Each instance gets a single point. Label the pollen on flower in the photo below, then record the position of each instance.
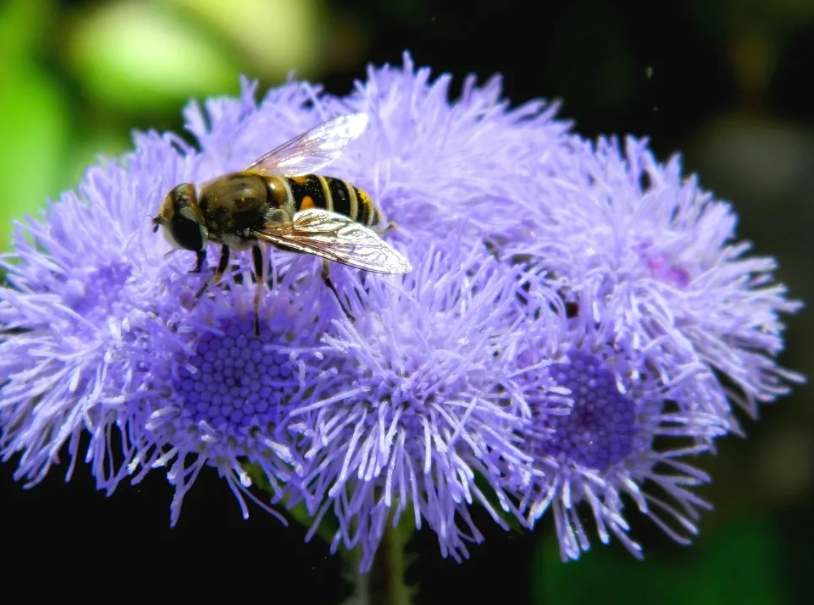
(598, 431)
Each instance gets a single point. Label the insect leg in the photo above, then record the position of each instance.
(222, 264)
(260, 277)
(199, 261)
(326, 277)
(382, 229)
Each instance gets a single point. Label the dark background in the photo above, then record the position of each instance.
(726, 82)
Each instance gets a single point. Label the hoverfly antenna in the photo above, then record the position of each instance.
(156, 223)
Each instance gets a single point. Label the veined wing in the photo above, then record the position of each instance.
(337, 238)
(314, 149)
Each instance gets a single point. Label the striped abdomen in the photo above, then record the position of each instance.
(316, 191)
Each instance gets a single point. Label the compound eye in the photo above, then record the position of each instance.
(182, 227)
(186, 232)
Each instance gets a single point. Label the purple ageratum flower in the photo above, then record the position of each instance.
(606, 425)
(110, 340)
(103, 336)
(434, 406)
(449, 372)
(660, 253)
(102, 331)
(225, 396)
(74, 281)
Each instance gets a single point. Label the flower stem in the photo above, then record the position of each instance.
(385, 583)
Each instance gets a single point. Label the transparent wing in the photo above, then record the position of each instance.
(313, 149)
(337, 238)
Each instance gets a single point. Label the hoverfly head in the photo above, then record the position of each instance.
(181, 218)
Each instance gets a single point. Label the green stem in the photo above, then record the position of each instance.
(385, 583)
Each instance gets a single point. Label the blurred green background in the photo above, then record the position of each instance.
(727, 82)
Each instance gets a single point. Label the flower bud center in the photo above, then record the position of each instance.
(237, 384)
(600, 428)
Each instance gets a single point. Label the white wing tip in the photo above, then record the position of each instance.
(357, 123)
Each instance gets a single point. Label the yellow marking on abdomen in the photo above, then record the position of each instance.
(372, 211)
(326, 191)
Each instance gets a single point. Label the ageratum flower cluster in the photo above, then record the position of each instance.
(578, 325)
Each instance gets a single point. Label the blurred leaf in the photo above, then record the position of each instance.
(611, 573)
(736, 565)
(34, 123)
(23, 24)
(95, 143)
(739, 565)
(139, 56)
(276, 36)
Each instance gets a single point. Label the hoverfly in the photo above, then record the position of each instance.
(277, 200)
